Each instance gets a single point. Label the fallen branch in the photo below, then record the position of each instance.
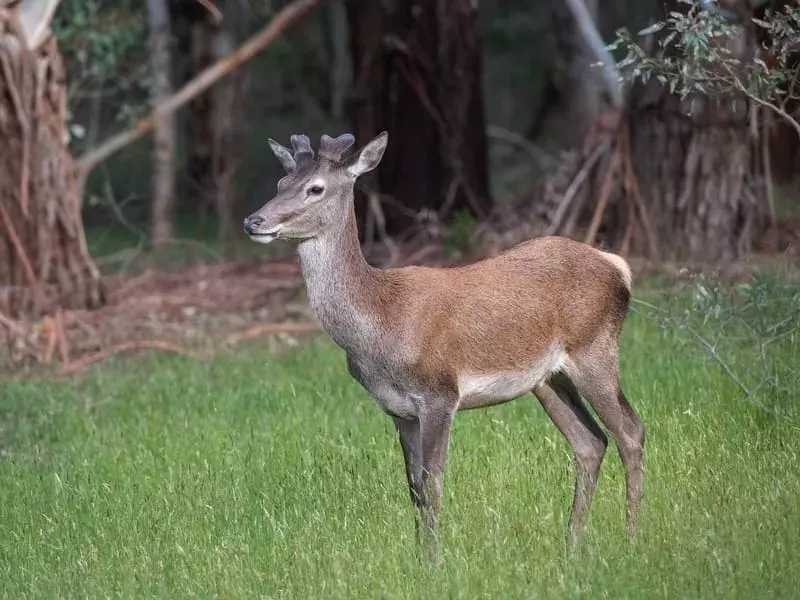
(12, 326)
(270, 329)
(51, 334)
(512, 138)
(605, 194)
(82, 363)
(573, 188)
(632, 183)
(61, 335)
(18, 247)
(287, 17)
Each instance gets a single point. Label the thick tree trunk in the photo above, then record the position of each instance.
(163, 203)
(700, 170)
(418, 74)
(44, 262)
(697, 182)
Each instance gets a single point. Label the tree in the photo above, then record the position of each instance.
(685, 173)
(163, 203)
(571, 97)
(214, 139)
(418, 74)
(698, 139)
(44, 262)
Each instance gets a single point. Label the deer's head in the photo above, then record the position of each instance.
(315, 194)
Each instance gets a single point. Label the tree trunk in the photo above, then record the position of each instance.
(213, 137)
(699, 168)
(227, 99)
(418, 74)
(572, 93)
(366, 22)
(163, 204)
(339, 57)
(44, 262)
(196, 46)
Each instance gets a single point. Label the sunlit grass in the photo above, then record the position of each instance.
(277, 477)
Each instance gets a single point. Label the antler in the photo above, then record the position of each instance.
(332, 149)
(303, 154)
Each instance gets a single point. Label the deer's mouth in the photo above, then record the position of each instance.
(265, 237)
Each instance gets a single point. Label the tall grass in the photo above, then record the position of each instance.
(277, 477)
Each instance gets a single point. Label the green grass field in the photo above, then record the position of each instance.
(277, 477)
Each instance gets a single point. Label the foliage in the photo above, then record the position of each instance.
(699, 53)
(103, 43)
(247, 477)
(746, 330)
(461, 233)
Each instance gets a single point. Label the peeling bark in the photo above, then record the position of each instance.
(44, 262)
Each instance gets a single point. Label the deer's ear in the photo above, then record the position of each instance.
(369, 156)
(284, 155)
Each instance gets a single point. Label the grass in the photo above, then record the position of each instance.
(276, 477)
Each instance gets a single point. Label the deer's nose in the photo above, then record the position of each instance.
(252, 223)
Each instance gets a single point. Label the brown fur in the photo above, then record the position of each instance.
(502, 313)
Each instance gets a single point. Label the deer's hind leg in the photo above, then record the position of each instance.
(595, 373)
(569, 414)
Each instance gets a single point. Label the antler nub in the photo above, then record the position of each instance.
(303, 154)
(284, 155)
(332, 149)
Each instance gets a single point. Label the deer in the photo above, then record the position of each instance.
(543, 317)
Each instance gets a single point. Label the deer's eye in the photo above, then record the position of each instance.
(315, 190)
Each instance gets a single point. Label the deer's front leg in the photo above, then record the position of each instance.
(408, 432)
(435, 434)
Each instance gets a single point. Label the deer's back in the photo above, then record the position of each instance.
(524, 307)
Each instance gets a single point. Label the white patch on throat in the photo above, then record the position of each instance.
(501, 386)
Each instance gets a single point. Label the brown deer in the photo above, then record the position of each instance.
(543, 317)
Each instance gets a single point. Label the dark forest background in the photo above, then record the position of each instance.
(503, 125)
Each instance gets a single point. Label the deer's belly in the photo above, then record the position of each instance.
(486, 389)
(392, 396)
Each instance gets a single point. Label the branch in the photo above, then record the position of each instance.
(82, 363)
(34, 20)
(215, 12)
(773, 107)
(594, 42)
(539, 156)
(270, 329)
(287, 17)
(573, 188)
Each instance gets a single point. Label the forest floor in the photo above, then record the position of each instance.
(185, 299)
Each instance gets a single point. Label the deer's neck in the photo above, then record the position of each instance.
(340, 283)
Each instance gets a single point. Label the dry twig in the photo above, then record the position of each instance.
(82, 363)
(270, 329)
(576, 184)
(605, 194)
